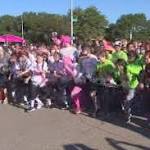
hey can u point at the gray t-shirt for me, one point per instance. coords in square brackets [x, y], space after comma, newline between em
[69, 52]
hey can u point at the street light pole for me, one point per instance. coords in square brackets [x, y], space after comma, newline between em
[71, 8]
[22, 27]
[131, 35]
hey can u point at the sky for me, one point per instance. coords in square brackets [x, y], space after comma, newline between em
[112, 9]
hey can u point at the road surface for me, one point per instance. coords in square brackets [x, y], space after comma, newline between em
[53, 129]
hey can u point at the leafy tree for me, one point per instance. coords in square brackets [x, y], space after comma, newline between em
[135, 24]
[7, 24]
[90, 23]
[37, 26]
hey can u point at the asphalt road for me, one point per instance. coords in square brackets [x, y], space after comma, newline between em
[60, 130]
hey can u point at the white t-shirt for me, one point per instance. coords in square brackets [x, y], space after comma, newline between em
[69, 52]
[38, 77]
[20, 66]
[32, 59]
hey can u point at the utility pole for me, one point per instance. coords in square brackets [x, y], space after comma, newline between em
[71, 8]
[22, 27]
[131, 35]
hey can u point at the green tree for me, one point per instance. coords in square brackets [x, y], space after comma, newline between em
[7, 24]
[135, 24]
[90, 23]
[37, 26]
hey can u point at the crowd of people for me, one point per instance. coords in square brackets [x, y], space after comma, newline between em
[77, 78]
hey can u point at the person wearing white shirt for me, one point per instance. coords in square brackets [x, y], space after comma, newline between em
[38, 80]
[69, 51]
[22, 73]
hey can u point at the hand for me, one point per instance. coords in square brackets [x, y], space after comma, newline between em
[141, 86]
[56, 75]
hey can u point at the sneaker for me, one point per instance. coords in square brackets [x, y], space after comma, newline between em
[78, 112]
[31, 109]
[22, 104]
[48, 103]
[5, 101]
[39, 106]
[129, 118]
[66, 107]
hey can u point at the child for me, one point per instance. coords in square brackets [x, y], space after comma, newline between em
[60, 79]
[119, 53]
[120, 77]
[79, 91]
[22, 70]
[133, 71]
[105, 70]
[38, 80]
[12, 79]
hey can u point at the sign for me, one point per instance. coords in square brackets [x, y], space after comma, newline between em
[75, 19]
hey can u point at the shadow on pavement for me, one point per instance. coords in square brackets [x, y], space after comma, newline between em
[118, 145]
[137, 125]
[77, 147]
